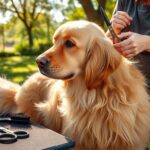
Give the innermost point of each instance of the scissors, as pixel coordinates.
(7, 136)
(15, 118)
(108, 23)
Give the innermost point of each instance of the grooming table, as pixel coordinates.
(40, 138)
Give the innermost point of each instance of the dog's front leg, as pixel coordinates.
(49, 112)
(8, 91)
(34, 90)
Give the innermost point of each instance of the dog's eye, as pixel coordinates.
(69, 44)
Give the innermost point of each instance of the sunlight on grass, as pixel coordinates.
(18, 68)
(32, 66)
(14, 59)
(22, 70)
(18, 79)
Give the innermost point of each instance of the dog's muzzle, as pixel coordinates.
(42, 62)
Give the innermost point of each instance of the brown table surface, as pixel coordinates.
(40, 138)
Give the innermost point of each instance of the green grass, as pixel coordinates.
(18, 68)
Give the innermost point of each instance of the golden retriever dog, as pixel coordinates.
(86, 90)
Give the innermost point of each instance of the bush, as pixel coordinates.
(6, 54)
(23, 48)
(39, 46)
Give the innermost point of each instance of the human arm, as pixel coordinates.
(133, 44)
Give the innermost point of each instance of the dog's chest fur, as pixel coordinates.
(83, 112)
(89, 117)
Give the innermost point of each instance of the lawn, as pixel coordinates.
(17, 68)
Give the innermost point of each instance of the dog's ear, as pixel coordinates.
(103, 60)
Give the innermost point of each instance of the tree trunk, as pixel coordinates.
(3, 38)
(48, 28)
(92, 13)
(30, 36)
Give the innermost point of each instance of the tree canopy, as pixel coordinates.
(27, 11)
(36, 20)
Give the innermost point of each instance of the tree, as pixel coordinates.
(91, 9)
(27, 11)
(92, 12)
(73, 11)
(2, 32)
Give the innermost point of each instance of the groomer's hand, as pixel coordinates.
(133, 44)
(120, 20)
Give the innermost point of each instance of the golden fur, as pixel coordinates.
(102, 105)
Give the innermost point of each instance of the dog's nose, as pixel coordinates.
(42, 61)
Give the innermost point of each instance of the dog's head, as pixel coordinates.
(80, 48)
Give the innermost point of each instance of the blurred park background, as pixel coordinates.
(27, 27)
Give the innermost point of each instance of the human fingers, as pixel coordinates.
(129, 53)
(121, 20)
(125, 15)
(117, 47)
(130, 56)
(118, 23)
(123, 44)
(127, 47)
(125, 35)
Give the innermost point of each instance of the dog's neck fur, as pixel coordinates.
(85, 98)
(103, 104)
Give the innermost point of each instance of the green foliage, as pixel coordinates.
(27, 11)
(39, 46)
(110, 7)
(8, 54)
(148, 147)
(1, 28)
(76, 14)
(22, 48)
(18, 68)
(16, 37)
(109, 10)
(71, 10)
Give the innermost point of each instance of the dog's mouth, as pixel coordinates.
(54, 76)
(43, 72)
(69, 76)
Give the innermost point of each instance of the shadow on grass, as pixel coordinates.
(17, 68)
